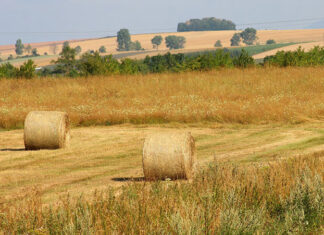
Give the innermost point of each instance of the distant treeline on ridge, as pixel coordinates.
(206, 24)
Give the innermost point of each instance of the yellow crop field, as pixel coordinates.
(195, 41)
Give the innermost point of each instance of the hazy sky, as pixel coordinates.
(44, 20)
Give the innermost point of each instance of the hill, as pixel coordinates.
(195, 41)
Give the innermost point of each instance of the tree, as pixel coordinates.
(102, 49)
(78, 50)
(135, 46)
(271, 41)
(175, 42)
(27, 70)
(249, 36)
(19, 47)
(28, 49)
(66, 63)
(65, 44)
(34, 52)
(218, 43)
(236, 39)
(54, 48)
(156, 41)
(123, 39)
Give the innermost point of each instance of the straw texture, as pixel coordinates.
(46, 130)
(169, 155)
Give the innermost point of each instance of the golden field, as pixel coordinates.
(259, 136)
(196, 41)
(256, 95)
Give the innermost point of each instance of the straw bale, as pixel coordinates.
(169, 155)
(46, 130)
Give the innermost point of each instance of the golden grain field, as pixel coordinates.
(196, 41)
(256, 95)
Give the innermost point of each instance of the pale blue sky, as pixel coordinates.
(44, 20)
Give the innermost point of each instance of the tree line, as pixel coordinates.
(206, 24)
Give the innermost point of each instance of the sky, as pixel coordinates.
(48, 20)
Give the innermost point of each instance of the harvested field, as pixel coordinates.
(102, 157)
(305, 46)
(195, 41)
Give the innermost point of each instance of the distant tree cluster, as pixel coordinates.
(206, 24)
(248, 36)
(125, 43)
(175, 42)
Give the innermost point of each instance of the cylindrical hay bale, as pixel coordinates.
(46, 130)
(169, 155)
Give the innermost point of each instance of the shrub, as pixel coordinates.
(270, 41)
(27, 70)
(218, 43)
(78, 50)
(135, 46)
(244, 60)
(102, 49)
(299, 57)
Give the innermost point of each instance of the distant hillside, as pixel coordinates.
(317, 25)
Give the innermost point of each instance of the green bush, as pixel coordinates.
(271, 41)
(299, 58)
(218, 43)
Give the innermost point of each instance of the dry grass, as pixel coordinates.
(256, 95)
(283, 197)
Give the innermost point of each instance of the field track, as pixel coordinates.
(101, 157)
(195, 41)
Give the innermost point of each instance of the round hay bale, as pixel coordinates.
(46, 130)
(169, 155)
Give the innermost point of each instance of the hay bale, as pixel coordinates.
(46, 130)
(169, 155)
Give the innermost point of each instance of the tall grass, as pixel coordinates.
(284, 197)
(256, 95)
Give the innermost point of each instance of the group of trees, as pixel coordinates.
(20, 48)
(27, 70)
(249, 36)
(125, 43)
(206, 24)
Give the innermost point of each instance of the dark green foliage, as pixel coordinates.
(235, 40)
(135, 46)
(156, 41)
(102, 49)
(123, 40)
(27, 70)
(249, 36)
(7, 70)
(218, 43)
(10, 57)
(66, 63)
(244, 60)
(94, 64)
(271, 41)
(175, 42)
(206, 24)
(65, 44)
(19, 47)
(78, 50)
(34, 52)
(299, 57)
